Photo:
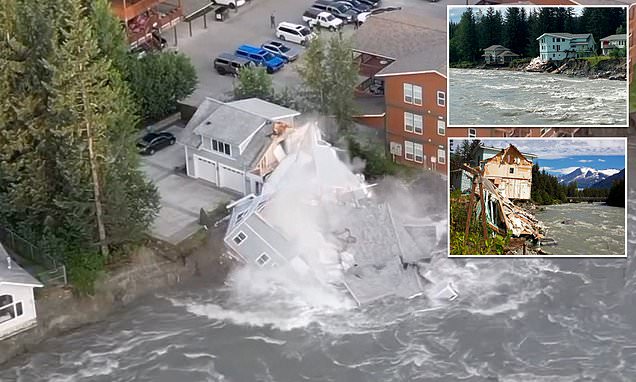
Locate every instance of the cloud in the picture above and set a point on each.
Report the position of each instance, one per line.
(586, 161)
(560, 148)
(566, 170)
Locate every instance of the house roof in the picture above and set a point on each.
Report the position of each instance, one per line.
(16, 275)
(568, 36)
(230, 125)
(498, 149)
(410, 36)
(495, 47)
(615, 37)
(263, 108)
(503, 152)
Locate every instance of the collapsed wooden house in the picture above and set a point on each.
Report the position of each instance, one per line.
(497, 211)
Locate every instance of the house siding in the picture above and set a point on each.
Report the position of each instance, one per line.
(22, 294)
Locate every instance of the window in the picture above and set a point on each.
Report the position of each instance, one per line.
(408, 93)
(419, 152)
(412, 94)
(221, 147)
(441, 127)
(441, 98)
(417, 95)
(238, 239)
(441, 156)
(408, 121)
(472, 133)
(512, 170)
(7, 308)
(262, 259)
(413, 123)
(409, 151)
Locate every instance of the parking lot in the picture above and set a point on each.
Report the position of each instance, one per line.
(251, 25)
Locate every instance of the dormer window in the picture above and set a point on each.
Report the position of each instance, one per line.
(221, 147)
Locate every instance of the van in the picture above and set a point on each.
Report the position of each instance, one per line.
(227, 63)
(260, 56)
(295, 33)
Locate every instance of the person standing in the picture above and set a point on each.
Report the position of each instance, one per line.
(272, 21)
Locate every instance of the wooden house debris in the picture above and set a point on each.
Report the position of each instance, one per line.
(498, 212)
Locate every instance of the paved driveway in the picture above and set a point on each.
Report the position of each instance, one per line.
(182, 197)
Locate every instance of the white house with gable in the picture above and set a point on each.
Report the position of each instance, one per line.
(17, 303)
(559, 46)
(235, 145)
(615, 41)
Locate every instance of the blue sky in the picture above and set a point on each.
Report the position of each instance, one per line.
(455, 13)
(563, 155)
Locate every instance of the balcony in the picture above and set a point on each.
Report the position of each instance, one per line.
(140, 17)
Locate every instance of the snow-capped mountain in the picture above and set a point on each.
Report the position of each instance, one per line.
(586, 177)
(609, 181)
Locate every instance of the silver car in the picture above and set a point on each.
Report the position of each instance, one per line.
(281, 50)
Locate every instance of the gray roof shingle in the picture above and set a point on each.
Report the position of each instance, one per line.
(16, 275)
(615, 37)
(413, 38)
(229, 124)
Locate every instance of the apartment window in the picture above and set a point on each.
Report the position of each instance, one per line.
(412, 94)
(441, 98)
(419, 152)
(409, 150)
(472, 133)
(512, 170)
(239, 238)
(441, 156)
(441, 127)
(417, 95)
(263, 259)
(221, 147)
(413, 123)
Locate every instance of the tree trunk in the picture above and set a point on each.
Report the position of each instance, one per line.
(96, 184)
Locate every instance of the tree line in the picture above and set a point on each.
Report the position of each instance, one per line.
(72, 99)
(518, 28)
(546, 189)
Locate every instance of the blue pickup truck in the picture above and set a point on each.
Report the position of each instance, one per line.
(261, 57)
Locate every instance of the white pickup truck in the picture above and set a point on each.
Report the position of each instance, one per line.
(314, 17)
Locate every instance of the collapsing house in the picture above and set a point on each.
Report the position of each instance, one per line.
(318, 219)
(497, 211)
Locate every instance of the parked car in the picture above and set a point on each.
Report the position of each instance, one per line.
(261, 57)
(357, 5)
(233, 4)
(340, 10)
(362, 17)
(281, 50)
(227, 63)
(314, 17)
(295, 33)
(153, 142)
(371, 3)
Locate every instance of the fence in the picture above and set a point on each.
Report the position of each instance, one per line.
(54, 272)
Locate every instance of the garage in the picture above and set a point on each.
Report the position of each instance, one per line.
(205, 169)
(231, 178)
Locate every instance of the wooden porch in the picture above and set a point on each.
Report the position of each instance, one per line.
(140, 17)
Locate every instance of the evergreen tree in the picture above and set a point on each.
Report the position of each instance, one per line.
(468, 49)
(342, 72)
(313, 74)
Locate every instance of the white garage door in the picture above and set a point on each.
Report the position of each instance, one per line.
(205, 169)
(231, 178)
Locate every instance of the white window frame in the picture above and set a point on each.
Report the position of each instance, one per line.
(416, 90)
(441, 156)
(418, 149)
(441, 127)
(264, 254)
(472, 133)
(408, 93)
(13, 307)
(218, 145)
(441, 101)
(418, 124)
(241, 241)
(408, 117)
(407, 145)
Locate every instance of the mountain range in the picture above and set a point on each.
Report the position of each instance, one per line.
(591, 178)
